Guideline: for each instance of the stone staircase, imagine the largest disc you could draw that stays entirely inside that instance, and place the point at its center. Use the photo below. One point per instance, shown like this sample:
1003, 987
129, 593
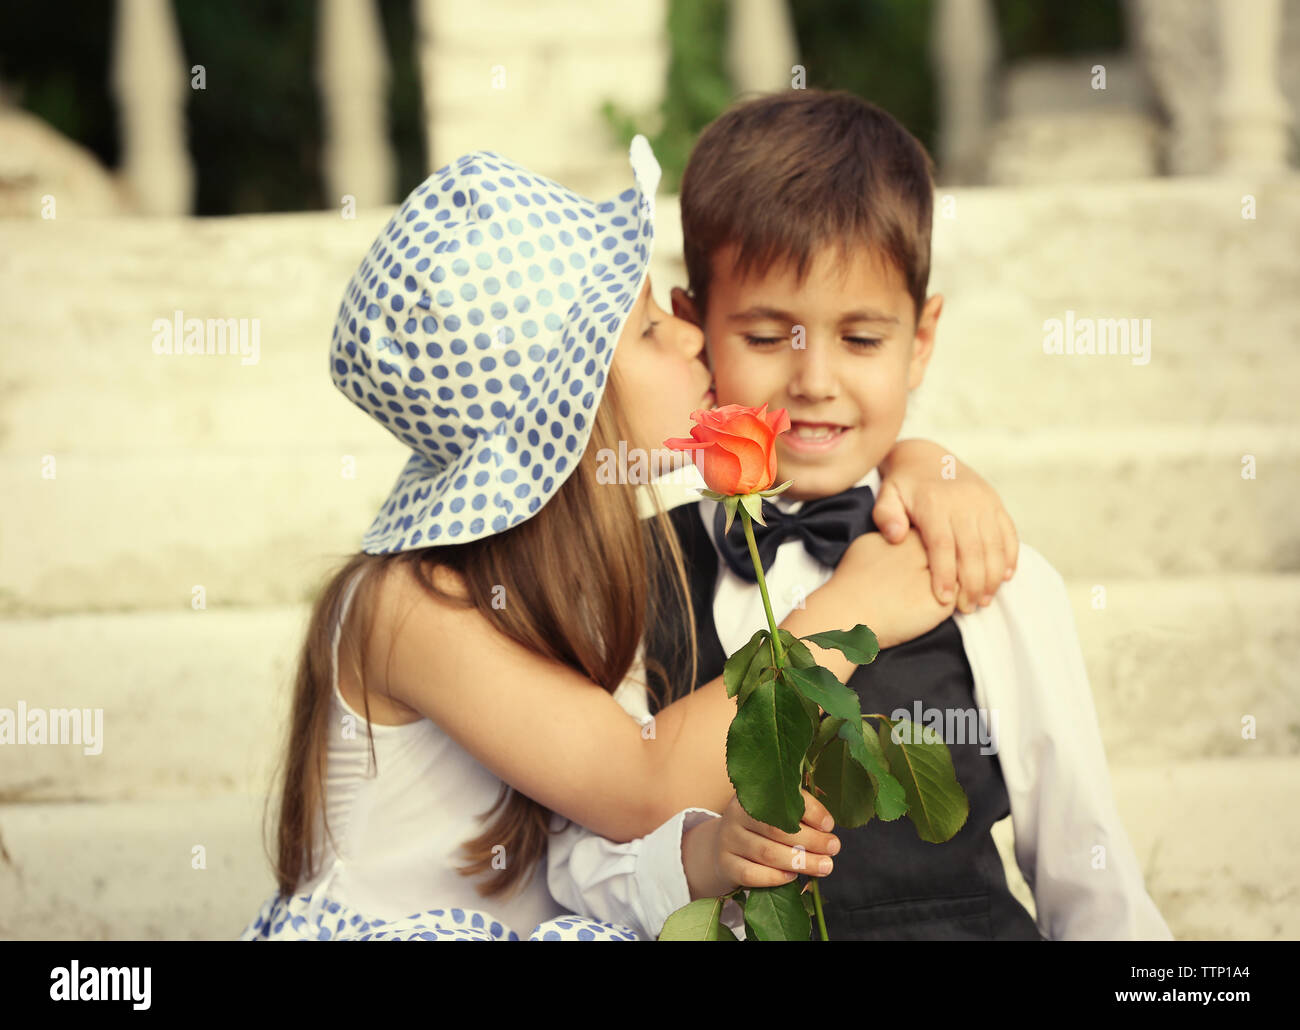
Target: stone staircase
172, 473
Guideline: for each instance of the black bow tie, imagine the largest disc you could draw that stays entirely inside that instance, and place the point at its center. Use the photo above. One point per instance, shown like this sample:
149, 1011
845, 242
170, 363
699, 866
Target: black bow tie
827, 526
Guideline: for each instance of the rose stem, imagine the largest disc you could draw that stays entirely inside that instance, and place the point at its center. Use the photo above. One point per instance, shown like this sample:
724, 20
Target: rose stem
817, 907
778, 652
778, 657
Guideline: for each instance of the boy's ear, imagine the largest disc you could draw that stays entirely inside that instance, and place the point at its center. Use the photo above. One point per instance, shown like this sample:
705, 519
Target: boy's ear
684, 307
923, 344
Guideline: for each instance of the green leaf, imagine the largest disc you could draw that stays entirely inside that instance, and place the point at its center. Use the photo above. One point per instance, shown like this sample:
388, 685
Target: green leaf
936, 804
761, 671
796, 649
736, 671
773, 491
820, 686
865, 748
712, 495
826, 732
812, 711
859, 644
754, 505
765, 744
848, 792
806, 897
729, 503
699, 921
777, 914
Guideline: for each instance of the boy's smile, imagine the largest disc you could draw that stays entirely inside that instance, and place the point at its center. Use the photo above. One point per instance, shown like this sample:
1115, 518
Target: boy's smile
839, 350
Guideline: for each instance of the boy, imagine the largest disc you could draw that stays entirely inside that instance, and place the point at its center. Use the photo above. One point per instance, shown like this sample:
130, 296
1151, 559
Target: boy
806, 218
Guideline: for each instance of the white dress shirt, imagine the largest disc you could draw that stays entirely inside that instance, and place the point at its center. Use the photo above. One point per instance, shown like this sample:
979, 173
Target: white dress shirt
1028, 674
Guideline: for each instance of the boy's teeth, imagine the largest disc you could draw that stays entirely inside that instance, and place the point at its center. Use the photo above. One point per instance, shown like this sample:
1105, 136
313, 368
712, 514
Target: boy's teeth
815, 432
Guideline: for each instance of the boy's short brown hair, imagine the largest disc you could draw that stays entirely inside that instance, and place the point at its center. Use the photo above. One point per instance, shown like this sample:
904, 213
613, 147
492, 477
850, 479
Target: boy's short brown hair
785, 174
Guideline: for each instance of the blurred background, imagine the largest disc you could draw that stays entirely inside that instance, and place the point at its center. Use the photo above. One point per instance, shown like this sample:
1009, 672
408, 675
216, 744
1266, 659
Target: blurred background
165, 519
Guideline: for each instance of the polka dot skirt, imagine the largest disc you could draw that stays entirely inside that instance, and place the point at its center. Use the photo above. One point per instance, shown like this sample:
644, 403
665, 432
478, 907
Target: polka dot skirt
288, 920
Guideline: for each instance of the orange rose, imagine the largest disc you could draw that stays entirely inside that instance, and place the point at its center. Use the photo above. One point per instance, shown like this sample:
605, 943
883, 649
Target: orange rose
735, 446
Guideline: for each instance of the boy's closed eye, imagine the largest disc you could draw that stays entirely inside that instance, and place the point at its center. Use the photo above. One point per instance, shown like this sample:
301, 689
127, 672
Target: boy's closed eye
862, 342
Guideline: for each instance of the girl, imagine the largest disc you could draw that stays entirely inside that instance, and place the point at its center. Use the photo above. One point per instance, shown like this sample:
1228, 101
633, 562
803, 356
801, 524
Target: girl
462, 666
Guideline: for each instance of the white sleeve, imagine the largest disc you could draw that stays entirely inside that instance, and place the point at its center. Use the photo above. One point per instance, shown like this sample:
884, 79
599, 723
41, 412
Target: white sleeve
638, 884
1070, 842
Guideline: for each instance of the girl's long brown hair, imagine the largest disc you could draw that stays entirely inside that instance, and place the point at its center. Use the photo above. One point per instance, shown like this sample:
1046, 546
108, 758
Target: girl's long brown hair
584, 577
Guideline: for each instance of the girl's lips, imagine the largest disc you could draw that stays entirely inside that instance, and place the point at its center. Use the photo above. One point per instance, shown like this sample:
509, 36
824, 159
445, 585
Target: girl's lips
792, 440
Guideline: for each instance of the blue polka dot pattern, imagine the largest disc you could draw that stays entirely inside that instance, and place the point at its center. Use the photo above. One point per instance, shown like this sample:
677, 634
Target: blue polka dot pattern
479, 330
294, 919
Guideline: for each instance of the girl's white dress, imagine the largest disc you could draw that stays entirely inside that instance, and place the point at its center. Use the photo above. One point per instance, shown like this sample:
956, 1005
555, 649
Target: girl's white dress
398, 829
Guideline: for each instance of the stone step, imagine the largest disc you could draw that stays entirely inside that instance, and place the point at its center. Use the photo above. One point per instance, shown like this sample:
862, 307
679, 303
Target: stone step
1144, 501
1177, 665
1215, 838
194, 702
127, 870
1181, 254
83, 297
257, 525
80, 299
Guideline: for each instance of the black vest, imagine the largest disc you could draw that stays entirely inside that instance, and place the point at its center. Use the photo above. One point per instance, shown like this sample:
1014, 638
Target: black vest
888, 884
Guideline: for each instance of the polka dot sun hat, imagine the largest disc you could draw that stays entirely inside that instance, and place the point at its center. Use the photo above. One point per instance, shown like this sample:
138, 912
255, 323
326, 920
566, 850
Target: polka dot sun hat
479, 330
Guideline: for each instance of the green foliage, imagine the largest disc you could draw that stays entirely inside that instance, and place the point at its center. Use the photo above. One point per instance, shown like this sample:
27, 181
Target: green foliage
260, 104
764, 674
856, 770
779, 743
865, 747
766, 743
796, 650
699, 921
859, 645
843, 785
826, 732
820, 686
777, 914
1031, 28
255, 133
697, 89
55, 57
880, 50
937, 806
736, 672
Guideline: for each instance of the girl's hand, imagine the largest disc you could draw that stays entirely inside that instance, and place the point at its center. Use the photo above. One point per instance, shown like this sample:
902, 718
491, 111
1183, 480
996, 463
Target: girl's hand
969, 536
878, 584
739, 851
900, 604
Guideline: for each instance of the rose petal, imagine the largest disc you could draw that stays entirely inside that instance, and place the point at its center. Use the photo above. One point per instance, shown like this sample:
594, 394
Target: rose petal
753, 463
716, 418
746, 424
778, 421
720, 469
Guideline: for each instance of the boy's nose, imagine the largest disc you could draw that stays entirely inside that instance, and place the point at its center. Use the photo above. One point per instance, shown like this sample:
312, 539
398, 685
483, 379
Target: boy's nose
811, 375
